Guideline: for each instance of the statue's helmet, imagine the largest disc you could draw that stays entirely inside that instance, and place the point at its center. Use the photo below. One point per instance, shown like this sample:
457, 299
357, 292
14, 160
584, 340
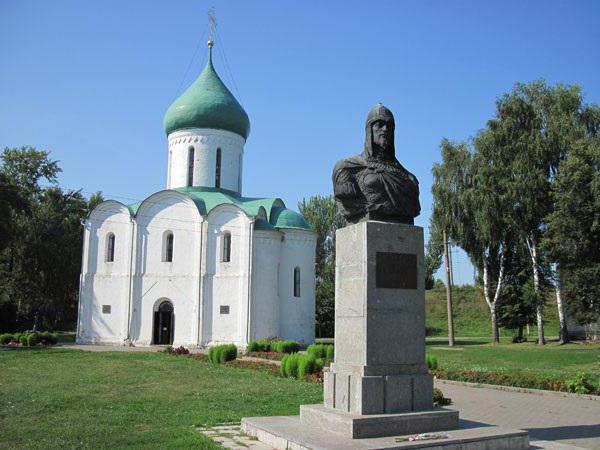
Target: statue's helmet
379, 112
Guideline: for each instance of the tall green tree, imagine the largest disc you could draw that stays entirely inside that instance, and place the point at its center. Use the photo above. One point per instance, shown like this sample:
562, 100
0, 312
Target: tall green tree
573, 233
433, 255
469, 202
40, 261
534, 127
324, 218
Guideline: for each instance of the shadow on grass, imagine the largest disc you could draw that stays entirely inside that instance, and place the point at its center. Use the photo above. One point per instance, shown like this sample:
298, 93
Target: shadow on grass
459, 341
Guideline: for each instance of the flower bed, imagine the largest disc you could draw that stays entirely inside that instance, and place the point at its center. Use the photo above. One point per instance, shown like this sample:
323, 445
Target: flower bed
519, 379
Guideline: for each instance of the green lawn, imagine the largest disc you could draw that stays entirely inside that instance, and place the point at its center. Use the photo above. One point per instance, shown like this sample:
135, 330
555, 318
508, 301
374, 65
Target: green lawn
61, 399
552, 359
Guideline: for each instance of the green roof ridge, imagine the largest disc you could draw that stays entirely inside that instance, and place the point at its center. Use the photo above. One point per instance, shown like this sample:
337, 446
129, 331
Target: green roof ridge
207, 198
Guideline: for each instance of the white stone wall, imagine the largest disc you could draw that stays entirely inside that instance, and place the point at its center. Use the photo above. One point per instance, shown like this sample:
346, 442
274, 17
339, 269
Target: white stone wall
103, 282
256, 284
155, 280
227, 284
297, 314
205, 142
264, 312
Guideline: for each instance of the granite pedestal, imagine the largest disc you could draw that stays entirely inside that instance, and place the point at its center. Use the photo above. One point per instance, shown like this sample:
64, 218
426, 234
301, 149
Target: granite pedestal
379, 384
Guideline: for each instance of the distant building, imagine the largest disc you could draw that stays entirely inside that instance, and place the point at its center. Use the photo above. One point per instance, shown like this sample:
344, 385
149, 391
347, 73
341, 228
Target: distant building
198, 264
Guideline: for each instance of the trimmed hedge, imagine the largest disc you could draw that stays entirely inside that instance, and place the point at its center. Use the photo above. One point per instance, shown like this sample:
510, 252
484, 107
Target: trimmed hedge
262, 345
29, 339
285, 346
297, 365
516, 379
325, 351
222, 353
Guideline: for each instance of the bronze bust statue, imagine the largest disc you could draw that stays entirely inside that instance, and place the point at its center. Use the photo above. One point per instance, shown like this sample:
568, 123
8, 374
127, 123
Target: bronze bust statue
374, 185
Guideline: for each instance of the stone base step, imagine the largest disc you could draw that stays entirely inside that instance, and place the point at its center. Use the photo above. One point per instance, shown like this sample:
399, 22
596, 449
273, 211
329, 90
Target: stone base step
287, 433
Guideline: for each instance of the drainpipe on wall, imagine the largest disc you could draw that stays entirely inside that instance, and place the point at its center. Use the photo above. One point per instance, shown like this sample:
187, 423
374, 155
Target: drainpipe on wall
130, 294
251, 236
200, 287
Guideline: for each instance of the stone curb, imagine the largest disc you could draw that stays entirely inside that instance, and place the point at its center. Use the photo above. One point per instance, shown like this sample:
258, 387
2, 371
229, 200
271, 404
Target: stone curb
518, 389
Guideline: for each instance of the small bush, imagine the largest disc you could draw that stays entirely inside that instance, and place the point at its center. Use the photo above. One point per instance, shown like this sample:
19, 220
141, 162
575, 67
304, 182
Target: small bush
32, 339
329, 352
53, 338
320, 351
23, 338
252, 347
285, 346
17, 337
262, 345
439, 399
297, 365
222, 353
581, 383
6, 338
432, 362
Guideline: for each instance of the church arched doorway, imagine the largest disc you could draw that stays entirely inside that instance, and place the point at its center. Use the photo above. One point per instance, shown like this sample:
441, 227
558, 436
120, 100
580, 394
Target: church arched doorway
164, 324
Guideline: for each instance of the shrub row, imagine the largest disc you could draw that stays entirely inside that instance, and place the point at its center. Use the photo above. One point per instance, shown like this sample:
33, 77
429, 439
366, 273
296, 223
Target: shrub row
264, 345
222, 353
298, 365
29, 339
325, 351
285, 346
581, 383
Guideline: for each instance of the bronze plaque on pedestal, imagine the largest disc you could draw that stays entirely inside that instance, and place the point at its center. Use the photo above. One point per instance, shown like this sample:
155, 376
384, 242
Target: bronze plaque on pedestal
396, 270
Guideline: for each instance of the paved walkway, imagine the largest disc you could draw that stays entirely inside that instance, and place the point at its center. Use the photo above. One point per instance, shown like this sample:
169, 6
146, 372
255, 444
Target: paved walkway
548, 417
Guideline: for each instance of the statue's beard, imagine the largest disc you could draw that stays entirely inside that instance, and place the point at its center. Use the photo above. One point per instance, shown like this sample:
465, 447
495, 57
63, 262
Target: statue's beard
382, 151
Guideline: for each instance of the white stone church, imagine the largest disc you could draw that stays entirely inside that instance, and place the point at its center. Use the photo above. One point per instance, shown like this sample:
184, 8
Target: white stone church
198, 264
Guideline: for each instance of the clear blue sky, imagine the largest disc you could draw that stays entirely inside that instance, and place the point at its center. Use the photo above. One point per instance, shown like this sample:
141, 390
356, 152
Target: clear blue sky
90, 80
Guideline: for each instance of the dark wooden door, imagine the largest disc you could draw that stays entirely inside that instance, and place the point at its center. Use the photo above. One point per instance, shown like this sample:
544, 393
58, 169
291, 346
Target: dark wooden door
163, 329
166, 328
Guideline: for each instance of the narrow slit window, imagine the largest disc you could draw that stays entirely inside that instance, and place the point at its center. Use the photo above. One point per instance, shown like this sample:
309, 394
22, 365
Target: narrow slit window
168, 247
190, 174
297, 282
226, 248
218, 169
110, 247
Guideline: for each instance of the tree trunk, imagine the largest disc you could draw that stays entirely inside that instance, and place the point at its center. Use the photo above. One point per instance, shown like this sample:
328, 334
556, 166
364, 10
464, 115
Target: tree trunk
520, 333
492, 304
449, 292
495, 332
539, 308
563, 332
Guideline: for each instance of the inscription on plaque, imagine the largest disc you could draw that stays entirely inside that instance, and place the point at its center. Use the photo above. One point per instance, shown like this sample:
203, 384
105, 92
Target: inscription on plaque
396, 270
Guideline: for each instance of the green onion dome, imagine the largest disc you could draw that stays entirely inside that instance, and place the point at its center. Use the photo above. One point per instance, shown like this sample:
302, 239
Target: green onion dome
207, 103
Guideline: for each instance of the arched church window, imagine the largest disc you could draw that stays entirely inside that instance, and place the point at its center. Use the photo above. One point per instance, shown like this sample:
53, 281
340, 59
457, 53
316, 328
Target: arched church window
190, 174
226, 247
297, 282
168, 247
218, 169
110, 247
